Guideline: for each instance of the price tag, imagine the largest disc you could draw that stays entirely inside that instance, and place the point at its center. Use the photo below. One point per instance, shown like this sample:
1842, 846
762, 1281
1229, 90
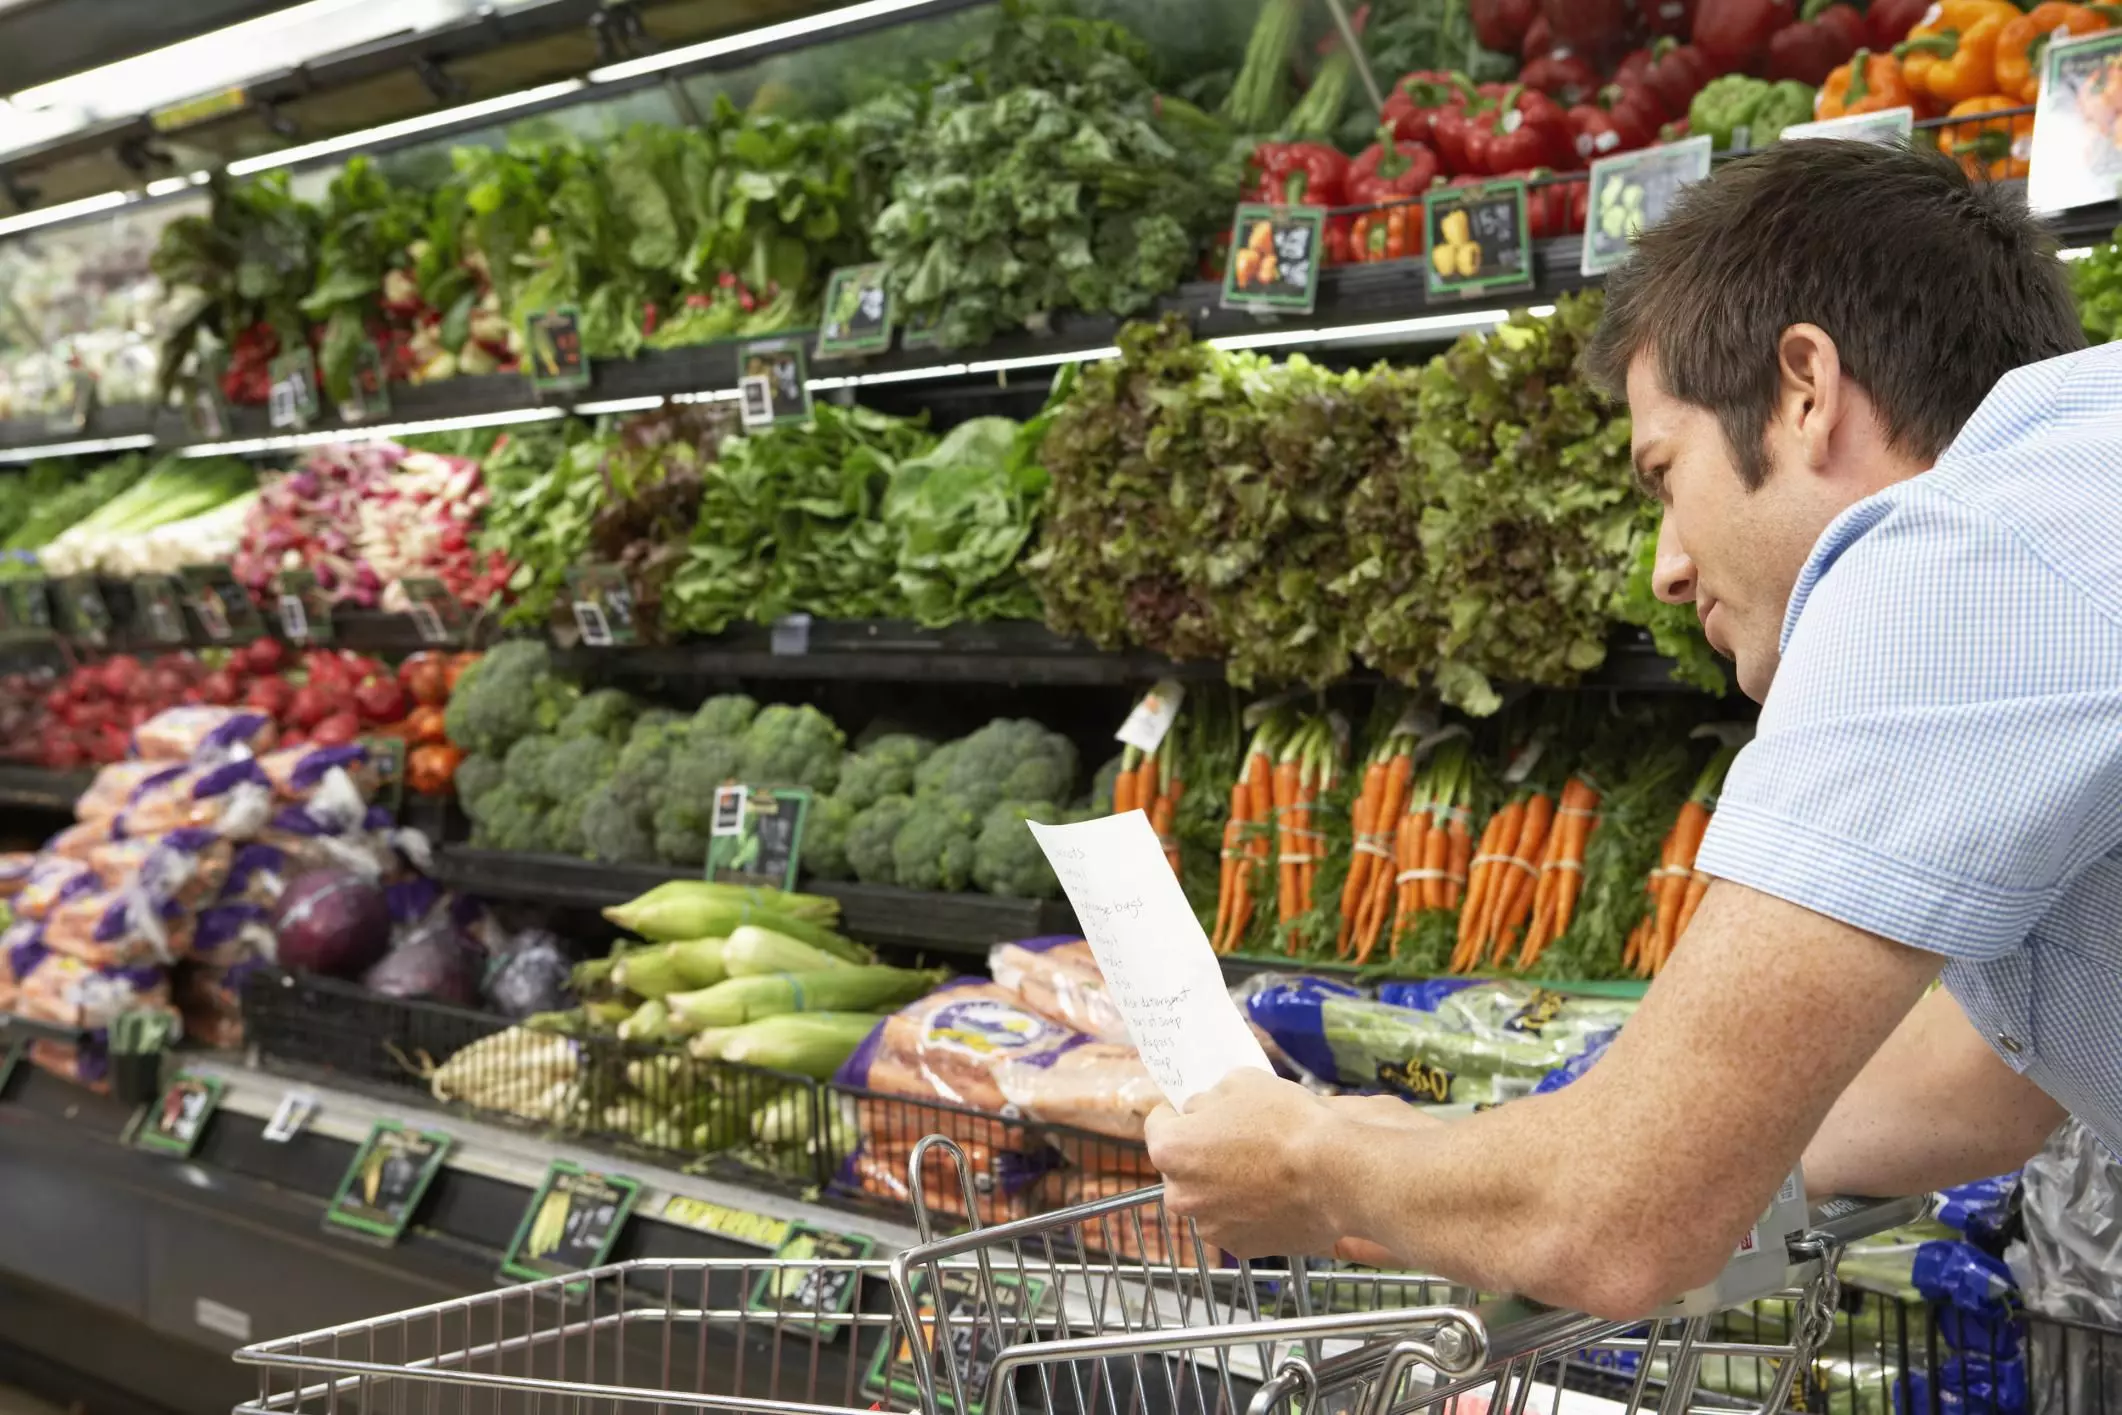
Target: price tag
222, 607
1275, 255
858, 312
772, 386
83, 613
197, 110
368, 392
437, 615
291, 399
175, 1122
305, 610
603, 605
1479, 240
205, 409
1887, 127
293, 1112
1152, 717
921, 332
383, 1186
755, 836
726, 1222
156, 613
789, 637
804, 1297
974, 1331
552, 340
573, 1220
29, 607
1631, 192
386, 758
2076, 146
72, 399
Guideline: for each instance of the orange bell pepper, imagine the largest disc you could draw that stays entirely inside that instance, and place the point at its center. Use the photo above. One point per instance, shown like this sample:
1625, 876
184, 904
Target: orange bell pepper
1997, 148
1954, 57
1868, 83
2022, 43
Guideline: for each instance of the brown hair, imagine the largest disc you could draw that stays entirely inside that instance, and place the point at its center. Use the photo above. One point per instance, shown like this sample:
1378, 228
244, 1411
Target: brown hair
1932, 286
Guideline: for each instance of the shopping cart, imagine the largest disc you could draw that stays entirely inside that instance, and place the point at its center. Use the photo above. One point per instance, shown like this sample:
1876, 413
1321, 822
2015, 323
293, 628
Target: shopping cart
1109, 1308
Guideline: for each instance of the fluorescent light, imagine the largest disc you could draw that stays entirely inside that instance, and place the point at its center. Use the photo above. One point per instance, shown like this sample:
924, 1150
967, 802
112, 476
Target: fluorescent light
167, 186
753, 39
1080, 356
909, 375
716, 395
1455, 323
286, 442
405, 127
1541, 311
87, 447
620, 405
2075, 253
64, 211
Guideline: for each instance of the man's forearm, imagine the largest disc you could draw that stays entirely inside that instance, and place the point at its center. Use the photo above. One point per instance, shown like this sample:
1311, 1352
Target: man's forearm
1934, 1107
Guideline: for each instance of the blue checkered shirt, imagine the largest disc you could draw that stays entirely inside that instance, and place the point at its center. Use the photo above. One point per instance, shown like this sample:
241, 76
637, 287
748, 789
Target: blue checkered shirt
1940, 760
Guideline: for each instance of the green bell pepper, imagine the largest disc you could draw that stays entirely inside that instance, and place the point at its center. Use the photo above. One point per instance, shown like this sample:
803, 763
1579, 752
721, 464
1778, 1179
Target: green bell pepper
1785, 103
1725, 105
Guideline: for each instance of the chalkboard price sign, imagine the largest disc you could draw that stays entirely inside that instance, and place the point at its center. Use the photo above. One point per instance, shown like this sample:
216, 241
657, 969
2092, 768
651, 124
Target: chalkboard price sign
603, 605
1479, 240
1631, 192
772, 384
969, 1334
383, 1186
222, 607
858, 312
812, 1293
305, 611
553, 343
1275, 254
291, 398
755, 836
573, 1220
158, 612
83, 615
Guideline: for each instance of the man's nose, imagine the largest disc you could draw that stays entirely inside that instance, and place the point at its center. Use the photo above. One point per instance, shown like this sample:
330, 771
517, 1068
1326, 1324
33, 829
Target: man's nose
1672, 575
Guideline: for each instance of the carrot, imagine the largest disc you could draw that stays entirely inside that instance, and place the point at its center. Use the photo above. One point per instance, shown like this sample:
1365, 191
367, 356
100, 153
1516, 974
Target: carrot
1517, 897
1484, 861
1697, 886
1382, 877
1124, 784
1285, 788
1459, 852
1363, 825
1582, 823
1672, 889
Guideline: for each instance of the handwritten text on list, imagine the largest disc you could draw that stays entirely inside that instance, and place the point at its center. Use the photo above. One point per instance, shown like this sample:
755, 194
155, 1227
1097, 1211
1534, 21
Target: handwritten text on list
1150, 947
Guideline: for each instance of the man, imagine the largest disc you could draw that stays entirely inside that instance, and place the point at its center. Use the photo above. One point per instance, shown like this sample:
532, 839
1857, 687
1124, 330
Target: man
1893, 492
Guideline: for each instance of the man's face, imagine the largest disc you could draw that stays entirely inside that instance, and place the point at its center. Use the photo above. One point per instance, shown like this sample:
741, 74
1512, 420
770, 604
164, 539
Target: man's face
1734, 554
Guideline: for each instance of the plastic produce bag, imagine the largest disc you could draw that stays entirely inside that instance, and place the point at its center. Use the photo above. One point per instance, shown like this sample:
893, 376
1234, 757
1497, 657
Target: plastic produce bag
116, 785
527, 973
232, 797
53, 881
2069, 1266
71, 993
119, 929
1058, 978
298, 773
15, 867
182, 733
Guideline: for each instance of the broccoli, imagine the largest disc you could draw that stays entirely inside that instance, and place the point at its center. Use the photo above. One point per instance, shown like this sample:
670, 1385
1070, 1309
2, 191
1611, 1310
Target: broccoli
825, 831
618, 827
563, 826
607, 713
507, 695
1007, 859
681, 831
577, 766
645, 760
934, 849
510, 818
869, 839
477, 775
1010, 759
899, 748
698, 764
791, 746
884, 768
525, 764
725, 716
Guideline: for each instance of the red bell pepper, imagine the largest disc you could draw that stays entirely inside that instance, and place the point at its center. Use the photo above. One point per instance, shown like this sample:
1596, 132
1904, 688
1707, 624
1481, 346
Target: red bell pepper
1539, 39
1634, 65
1501, 24
1733, 34
1529, 129
1677, 73
1389, 171
1822, 41
1452, 130
1548, 202
1623, 118
1562, 75
1887, 22
1667, 17
1598, 27
1412, 107
1299, 174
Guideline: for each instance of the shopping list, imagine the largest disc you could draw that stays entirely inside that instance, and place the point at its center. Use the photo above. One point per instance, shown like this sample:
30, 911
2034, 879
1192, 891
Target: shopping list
1150, 947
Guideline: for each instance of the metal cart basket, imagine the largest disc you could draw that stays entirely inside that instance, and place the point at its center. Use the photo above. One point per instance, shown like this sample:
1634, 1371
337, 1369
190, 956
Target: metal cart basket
1110, 1308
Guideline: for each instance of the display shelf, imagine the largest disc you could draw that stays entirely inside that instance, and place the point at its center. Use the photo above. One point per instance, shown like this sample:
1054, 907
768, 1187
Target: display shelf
38, 789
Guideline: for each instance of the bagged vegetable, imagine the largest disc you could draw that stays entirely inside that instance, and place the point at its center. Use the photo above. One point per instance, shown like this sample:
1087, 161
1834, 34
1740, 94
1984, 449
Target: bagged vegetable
52, 881
1100, 1087
182, 733
78, 840
15, 867
528, 972
69, 992
233, 797
946, 1046
119, 929
116, 785
298, 773
257, 873
189, 865
228, 934
210, 1002
1058, 977
85, 1065
1005, 1181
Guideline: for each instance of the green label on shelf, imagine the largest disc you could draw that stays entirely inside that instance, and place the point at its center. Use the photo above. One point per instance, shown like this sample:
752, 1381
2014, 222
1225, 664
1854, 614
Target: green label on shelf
157, 609
437, 615
552, 342
384, 1184
806, 1297
603, 605
174, 1123
573, 1220
222, 607
291, 398
386, 757
740, 1225
1479, 240
858, 312
772, 385
84, 616
974, 1328
1275, 256
755, 836
305, 611
1631, 192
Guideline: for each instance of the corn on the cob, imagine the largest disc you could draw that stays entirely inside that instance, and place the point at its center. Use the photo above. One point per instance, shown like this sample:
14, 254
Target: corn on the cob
751, 951
735, 1001
809, 1044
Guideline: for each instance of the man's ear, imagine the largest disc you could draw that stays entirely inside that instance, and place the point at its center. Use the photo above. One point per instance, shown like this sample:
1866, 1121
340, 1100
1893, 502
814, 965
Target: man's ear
1809, 394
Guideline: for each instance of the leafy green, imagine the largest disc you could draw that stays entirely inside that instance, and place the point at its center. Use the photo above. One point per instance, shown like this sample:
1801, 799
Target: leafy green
963, 513
1674, 628
367, 226
2097, 282
252, 259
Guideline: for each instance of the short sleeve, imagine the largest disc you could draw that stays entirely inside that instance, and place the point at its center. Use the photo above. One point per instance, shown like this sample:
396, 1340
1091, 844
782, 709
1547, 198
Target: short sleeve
1941, 752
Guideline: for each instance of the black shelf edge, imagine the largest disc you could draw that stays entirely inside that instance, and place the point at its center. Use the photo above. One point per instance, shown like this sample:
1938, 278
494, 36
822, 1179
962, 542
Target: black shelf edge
38, 789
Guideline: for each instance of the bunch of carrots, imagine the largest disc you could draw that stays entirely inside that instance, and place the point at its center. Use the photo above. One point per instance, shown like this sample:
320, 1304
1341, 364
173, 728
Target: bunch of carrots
1676, 887
1561, 868
1288, 764
1374, 820
1149, 782
1434, 847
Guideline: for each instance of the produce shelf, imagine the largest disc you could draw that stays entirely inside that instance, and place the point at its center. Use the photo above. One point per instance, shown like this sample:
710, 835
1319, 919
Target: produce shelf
42, 790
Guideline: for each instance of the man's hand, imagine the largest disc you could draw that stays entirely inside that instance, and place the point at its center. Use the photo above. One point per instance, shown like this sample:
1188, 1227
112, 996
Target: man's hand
1243, 1162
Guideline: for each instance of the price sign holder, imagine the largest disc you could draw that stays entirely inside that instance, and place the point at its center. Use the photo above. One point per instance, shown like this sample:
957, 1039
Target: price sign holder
222, 607
368, 392
293, 1112
603, 605
305, 610
724, 1222
291, 399
205, 409
858, 312
755, 836
789, 636
1479, 240
921, 333
552, 342
72, 400
1887, 127
29, 608
175, 1122
386, 758
1275, 255
805, 1298
383, 1186
572, 1224
2076, 153
84, 615
962, 1313
158, 615
772, 385
437, 615
1631, 192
